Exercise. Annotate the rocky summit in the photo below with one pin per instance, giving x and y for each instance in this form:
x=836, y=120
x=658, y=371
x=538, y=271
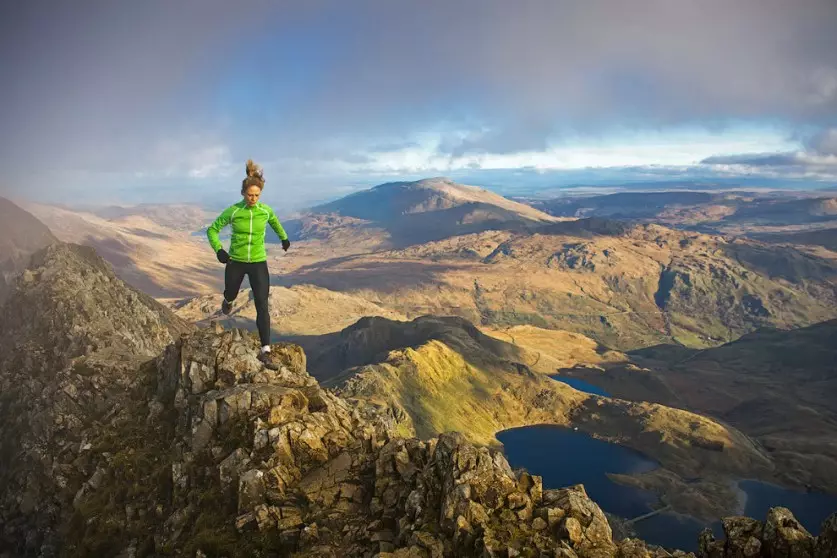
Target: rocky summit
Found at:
x=182, y=443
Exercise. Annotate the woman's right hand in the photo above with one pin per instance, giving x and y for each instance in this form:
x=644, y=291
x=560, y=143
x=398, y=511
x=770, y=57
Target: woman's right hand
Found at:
x=222, y=256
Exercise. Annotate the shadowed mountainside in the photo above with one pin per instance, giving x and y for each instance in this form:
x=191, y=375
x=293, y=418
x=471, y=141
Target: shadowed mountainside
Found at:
x=71, y=340
x=776, y=386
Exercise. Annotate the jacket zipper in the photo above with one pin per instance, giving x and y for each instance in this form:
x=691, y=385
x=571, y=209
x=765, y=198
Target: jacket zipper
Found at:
x=250, y=239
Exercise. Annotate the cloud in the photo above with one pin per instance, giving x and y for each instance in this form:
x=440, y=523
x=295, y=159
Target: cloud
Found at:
x=823, y=142
x=510, y=138
x=94, y=88
x=776, y=165
x=817, y=160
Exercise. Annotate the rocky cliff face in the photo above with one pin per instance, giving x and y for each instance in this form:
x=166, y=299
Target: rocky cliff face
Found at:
x=203, y=451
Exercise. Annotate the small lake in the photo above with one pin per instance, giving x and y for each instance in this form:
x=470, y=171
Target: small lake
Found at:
x=809, y=508
x=580, y=385
x=564, y=457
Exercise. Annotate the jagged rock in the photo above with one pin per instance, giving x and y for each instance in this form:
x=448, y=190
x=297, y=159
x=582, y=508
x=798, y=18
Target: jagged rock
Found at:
x=780, y=536
x=76, y=346
x=585, y=523
x=230, y=469
x=251, y=490
x=784, y=537
x=743, y=537
x=246, y=522
x=633, y=548
x=827, y=540
x=708, y=547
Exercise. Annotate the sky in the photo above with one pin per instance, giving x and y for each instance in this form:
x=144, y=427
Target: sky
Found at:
x=117, y=101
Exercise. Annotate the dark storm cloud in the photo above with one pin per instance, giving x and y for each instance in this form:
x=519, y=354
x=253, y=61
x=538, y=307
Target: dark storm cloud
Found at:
x=757, y=160
x=818, y=158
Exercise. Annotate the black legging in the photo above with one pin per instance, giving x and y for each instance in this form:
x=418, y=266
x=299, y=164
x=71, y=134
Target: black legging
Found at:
x=259, y=278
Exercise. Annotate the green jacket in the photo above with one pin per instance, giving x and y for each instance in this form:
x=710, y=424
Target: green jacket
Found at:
x=249, y=225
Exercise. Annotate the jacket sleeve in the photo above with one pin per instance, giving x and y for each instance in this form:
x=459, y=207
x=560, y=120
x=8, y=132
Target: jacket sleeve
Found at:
x=219, y=223
x=277, y=226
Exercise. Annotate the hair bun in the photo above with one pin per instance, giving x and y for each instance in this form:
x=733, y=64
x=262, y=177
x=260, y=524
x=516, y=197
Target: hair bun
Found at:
x=254, y=170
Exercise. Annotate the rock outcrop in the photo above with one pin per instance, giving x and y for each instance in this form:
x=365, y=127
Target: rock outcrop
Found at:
x=780, y=536
x=265, y=461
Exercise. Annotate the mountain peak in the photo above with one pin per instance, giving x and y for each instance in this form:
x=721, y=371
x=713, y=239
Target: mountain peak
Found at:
x=430, y=209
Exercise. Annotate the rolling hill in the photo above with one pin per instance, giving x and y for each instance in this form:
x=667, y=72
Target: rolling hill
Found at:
x=736, y=212
x=407, y=213
x=150, y=248
x=627, y=286
x=299, y=310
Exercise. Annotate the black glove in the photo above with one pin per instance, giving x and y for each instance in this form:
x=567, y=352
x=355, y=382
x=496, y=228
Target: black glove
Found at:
x=286, y=244
x=222, y=256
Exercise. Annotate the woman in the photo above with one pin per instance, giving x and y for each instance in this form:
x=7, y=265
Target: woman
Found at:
x=248, y=219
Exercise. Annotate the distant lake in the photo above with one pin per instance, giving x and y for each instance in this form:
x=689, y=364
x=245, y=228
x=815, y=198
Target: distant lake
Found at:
x=580, y=385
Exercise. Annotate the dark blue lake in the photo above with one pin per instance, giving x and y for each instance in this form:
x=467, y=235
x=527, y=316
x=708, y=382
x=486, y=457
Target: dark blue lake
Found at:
x=564, y=457
x=581, y=385
x=809, y=508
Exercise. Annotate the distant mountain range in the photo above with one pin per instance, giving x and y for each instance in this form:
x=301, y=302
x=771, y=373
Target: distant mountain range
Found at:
x=740, y=213
x=625, y=285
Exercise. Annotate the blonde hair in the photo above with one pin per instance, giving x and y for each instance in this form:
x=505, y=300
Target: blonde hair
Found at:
x=255, y=176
